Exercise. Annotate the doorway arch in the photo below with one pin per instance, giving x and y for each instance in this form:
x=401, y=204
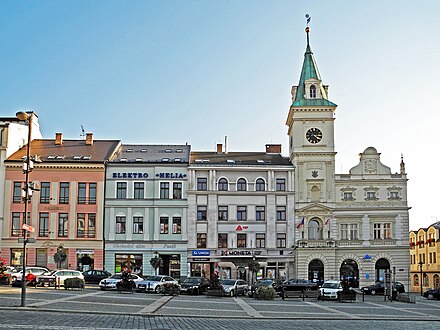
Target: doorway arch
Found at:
x=316, y=271
x=381, y=266
x=349, y=273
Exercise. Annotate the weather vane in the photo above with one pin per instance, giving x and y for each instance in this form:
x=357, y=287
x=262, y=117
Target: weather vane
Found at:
x=308, y=19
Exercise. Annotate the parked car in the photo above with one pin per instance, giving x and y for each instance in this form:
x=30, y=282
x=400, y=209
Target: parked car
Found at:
x=36, y=270
x=262, y=282
x=194, y=285
x=298, y=285
x=57, y=277
x=379, y=288
x=95, y=275
x=109, y=283
x=330, y=289
x=233, y=287
x=432, y=294
x=153, y=282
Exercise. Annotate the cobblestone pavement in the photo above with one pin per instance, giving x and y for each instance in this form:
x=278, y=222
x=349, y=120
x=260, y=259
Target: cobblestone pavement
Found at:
x=94, y=309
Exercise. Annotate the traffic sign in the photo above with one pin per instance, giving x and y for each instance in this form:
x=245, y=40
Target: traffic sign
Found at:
x=28, y=228
x=28, y=240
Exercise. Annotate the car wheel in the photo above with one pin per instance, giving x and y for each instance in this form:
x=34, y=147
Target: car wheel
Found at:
x=245, y=292
x=373, y=292
x=308, y=289
x=430, y=296
x=157, y=289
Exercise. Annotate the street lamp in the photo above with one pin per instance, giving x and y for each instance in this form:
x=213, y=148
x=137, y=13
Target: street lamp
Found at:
x=421, y=277
x=27, y=167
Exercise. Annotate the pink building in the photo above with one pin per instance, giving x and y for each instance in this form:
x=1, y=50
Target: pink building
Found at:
x=68, y=212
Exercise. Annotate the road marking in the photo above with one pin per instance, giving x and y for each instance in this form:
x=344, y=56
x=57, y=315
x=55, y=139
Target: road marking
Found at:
x=48, y=302
x=402, y=310
x=247, y=308
x=152, y=308
x=332, y=310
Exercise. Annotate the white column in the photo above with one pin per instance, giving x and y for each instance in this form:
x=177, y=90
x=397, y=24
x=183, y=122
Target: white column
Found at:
x=156, y=224
x=112, y=224
x=129, y=225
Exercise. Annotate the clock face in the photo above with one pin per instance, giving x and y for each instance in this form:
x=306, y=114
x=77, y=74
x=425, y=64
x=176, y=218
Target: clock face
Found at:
x=314, y=135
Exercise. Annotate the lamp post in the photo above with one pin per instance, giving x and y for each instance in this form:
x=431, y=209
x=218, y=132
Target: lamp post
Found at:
x=421, y=277
x=25, y=116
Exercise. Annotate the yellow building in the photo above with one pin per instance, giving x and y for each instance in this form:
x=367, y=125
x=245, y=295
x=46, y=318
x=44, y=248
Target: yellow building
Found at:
x=424, y=249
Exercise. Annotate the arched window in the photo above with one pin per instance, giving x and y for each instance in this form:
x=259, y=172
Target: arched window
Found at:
x=416, y=280
x=313, y=92
x=314, y=230
x=241, y=185
x=436, y=280
x=260, y=185
x=382, y=265
x=222, y=184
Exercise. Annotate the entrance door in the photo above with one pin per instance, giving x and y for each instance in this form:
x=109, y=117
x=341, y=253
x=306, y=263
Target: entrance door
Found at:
x=316, y=271
x=349, y=273
x=381, y=266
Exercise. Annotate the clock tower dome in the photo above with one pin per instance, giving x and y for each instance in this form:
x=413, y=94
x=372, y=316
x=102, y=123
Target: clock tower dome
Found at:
x=312, y=149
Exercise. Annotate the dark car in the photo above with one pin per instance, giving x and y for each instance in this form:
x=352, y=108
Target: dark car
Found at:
x=194, y=285
x=298, y=285
x=267, y=282
x=95, y=275
x=432, y=294
x=379, y=288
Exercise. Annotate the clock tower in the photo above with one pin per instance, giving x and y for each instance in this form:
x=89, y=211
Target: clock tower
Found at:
x=312, y=151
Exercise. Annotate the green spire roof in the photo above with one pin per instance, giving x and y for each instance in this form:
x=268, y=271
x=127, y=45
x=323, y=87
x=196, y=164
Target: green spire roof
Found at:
x=309, y=70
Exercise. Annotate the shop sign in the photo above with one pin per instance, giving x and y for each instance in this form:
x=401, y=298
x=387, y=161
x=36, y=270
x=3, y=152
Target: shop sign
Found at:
x=201, y=252
x=240, y=228
x=125, y=175
x=85, y=251
x=170, y=175
x=367, y=257
x=236, y=253
x=200, y=259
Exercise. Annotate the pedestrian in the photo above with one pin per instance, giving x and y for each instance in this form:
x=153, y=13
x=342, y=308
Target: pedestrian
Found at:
x=283, y=292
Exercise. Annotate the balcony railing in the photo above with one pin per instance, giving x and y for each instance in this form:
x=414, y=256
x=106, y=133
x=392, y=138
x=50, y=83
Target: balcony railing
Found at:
x=63, y=233
x=316, y=243
x=82, y=233
x=86, y=200
x=43, y=233
x=383, y=242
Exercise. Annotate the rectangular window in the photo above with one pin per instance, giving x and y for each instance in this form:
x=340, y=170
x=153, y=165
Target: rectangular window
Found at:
x=371, y=195
x=260, y=240
x=281, y=184
x=138, y=225
x=394, y=195
x=177, y=225
x=354, y=231
x=16, y=224
x=91, y=225
x=222, y=240
x=64, y=193
x=120, y=225
x=387, y=230
x=344, y=231
x=164, y=190
x=260, y=213
x=281, y=240
x=201, y=213
x=63, y=227
x=201, y=240
x=45, y=193
x=92, y=193
x=281, y=213
x=82, y=192
x=241, y=212
x=241, y=240
x=81, y=225
x=17, y=192
x=348, y=196
x=121, y=190
x=43, y=225
x=177, y=190
x=377, y=229
x=86, y=225
x=138, y=190
x=202, y=184
x=223, y=213
x=164, y=225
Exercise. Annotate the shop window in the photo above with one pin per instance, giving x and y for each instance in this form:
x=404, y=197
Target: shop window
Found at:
x=133, y=262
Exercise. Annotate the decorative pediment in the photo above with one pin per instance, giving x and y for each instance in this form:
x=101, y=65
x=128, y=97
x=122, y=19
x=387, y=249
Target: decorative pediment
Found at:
x=314, y=208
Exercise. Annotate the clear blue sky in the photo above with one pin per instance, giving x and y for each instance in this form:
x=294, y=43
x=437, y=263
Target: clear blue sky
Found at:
x=195, y=71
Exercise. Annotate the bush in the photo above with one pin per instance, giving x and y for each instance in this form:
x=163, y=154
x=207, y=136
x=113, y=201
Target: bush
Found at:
x=74, y=282
x=265, y=293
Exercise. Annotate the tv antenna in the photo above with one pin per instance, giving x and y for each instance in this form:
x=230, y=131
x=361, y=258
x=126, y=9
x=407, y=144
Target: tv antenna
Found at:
x=83, y=132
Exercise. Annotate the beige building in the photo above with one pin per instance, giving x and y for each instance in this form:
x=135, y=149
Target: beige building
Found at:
x=350, y=226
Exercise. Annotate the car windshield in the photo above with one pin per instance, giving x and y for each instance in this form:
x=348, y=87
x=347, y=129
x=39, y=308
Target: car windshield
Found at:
x=331, y=285
x=116, y=276
x=264, y=283
x=154, y=278
x=192, y=280
x=227, y=282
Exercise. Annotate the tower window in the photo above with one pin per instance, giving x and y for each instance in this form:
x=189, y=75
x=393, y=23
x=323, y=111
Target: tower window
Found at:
x=313, y=92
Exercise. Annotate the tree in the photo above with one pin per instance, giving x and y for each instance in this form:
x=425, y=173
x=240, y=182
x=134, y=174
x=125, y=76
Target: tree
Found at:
x=156, y=262
x=60, y=256
x=254, y=267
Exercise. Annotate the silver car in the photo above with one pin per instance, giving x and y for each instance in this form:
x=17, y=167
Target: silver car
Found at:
x=234, y=287
x=109, y=283
x=153, y=283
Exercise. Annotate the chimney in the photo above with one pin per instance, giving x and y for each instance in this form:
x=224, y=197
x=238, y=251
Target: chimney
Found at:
x=219, y=148
x=273, y=148
x=58, y=139
x=89, y=139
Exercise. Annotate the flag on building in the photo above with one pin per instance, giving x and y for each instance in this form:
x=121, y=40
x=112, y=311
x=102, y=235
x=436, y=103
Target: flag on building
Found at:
x=300, y=223
x=327, y=221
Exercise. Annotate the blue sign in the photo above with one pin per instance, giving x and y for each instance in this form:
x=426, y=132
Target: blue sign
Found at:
x=198, y=253
x=367, y=276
